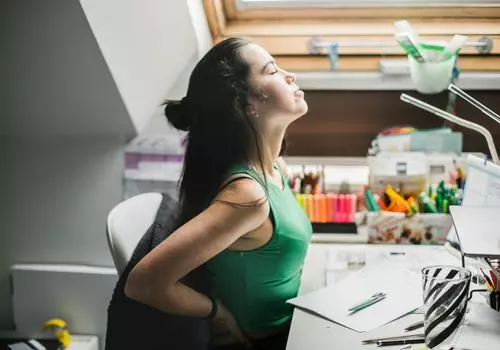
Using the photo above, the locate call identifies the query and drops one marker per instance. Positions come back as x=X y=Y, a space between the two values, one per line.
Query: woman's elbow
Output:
x=138 y=286
x=145 y=288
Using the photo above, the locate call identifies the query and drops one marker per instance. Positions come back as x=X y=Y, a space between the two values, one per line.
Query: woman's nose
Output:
x=290 y=77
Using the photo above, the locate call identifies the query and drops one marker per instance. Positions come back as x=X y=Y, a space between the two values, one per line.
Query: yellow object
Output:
x=398 y=203
x=60 y=331
x=413 y=205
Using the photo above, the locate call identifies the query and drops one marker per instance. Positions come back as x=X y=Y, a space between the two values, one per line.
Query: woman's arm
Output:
x=155 y=279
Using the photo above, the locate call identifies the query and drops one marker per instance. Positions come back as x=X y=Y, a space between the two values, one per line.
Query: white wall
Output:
x=158 y=123
x=56 y=194
x=146 y=45
x=54 y=79
x=68 y=110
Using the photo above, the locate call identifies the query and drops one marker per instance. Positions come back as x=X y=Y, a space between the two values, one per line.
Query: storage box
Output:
x=397 y=228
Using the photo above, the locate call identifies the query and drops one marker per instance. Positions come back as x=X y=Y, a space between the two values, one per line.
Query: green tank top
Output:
x=255 y=285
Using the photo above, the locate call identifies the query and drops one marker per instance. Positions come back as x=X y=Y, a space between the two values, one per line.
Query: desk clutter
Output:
x=411 y=218
x=38 y=341
x=379 y=293
x=423 y=285
x=29 y=344
x=404 y=199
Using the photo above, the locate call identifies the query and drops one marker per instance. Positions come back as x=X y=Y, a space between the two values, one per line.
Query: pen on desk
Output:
x=375 y=340
x=414 y=326
x=398 y=253
x=401 y=341
x=370 y=299
x=375 y=298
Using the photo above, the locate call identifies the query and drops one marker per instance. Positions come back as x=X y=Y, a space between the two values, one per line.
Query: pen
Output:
x=375 y=340
x=366 y=304
x=374 y=296
x=401 y=341
x=414 y=326
x=374 y=299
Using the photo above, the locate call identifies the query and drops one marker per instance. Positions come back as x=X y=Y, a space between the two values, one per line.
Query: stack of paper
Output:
x=403 y=289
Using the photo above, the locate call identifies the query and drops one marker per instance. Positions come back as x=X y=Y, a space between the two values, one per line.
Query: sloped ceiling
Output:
x=89 y=67
x=146 y=45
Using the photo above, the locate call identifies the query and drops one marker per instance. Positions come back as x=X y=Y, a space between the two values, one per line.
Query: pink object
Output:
x=351 y=207
x=340 y=212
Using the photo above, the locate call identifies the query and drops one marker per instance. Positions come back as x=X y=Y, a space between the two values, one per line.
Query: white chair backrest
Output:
x=127 y=223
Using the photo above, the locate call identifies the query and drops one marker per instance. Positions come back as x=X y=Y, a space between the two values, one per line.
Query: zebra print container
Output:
x=445 y=292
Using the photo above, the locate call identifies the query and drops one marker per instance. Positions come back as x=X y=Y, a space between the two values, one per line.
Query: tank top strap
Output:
x=248 y=171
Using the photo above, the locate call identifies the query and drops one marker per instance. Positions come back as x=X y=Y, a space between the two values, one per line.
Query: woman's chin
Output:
x=303 y=107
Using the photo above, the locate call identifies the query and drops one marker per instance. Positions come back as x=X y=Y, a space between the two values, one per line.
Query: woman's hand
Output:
x=225 y=329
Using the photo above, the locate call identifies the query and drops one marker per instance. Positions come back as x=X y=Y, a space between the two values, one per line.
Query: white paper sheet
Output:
x=342 y=262
x=403 y=289
x=482 y=330
x=415 y=260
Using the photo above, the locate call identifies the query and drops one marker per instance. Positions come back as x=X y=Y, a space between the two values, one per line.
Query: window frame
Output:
x=412 y=9
x=287 y=32
x=279 y=4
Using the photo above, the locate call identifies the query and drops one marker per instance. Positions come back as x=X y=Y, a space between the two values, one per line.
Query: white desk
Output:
x=314 y=333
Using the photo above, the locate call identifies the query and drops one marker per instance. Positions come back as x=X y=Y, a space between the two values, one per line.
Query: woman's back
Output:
x=133 y=325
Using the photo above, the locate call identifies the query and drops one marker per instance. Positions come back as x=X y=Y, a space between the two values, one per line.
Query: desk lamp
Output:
x=489 y=139
x=462 y=122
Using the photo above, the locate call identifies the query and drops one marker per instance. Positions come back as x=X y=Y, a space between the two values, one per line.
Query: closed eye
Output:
x=271 y=64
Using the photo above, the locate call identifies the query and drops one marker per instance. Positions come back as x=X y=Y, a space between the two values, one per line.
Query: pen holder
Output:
x=493 y=300
x=431 y=77
x=445 y=294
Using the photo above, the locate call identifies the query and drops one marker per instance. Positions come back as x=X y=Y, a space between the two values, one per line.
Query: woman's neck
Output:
x=271 y=147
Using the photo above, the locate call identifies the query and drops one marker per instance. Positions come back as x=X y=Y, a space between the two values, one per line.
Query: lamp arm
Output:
x=456 y=90
x=454 y=119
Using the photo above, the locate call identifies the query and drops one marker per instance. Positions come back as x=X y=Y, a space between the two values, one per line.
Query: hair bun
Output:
x=175 y=111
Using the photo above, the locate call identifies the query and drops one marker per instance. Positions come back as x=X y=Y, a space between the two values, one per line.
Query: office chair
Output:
x=127 y=222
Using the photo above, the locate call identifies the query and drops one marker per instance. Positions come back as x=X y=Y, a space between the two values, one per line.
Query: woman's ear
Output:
x=251 y=107
x=260 y=94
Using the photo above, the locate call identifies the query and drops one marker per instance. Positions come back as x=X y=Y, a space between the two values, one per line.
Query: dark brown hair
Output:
x=222 y=133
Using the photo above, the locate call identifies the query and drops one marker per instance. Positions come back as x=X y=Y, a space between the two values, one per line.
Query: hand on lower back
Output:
x=225 y=329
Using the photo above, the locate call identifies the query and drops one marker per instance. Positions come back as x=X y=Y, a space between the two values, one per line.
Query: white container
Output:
x=431 y=77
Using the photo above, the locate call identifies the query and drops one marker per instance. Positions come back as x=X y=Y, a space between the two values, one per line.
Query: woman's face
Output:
x=277 y=99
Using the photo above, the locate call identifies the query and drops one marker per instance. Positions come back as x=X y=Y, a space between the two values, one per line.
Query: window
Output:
x=289 y=29
x=245 y=4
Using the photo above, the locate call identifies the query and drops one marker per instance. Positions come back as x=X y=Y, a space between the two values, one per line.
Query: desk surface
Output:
x=315 y=333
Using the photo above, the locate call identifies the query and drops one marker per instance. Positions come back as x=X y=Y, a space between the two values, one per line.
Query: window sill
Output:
x=376 y=81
